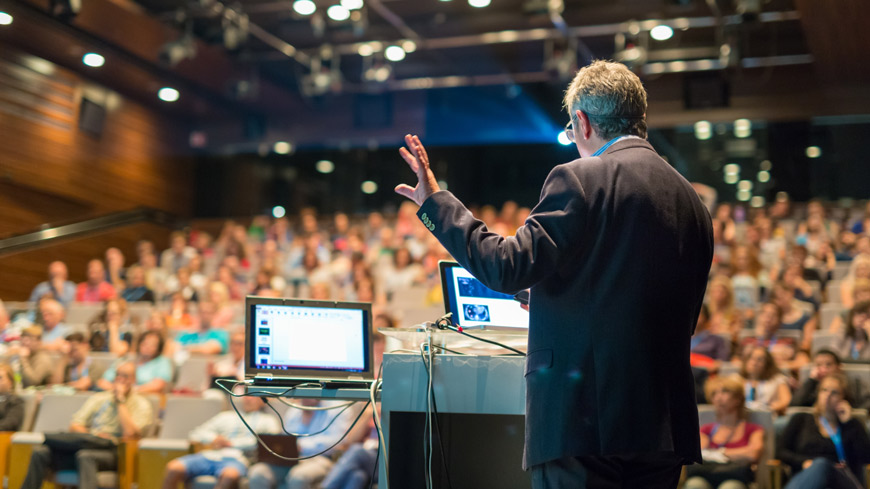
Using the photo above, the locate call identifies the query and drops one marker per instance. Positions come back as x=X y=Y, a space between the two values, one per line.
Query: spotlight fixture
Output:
x=813 y=151
x=338 y=13
x=661 y=32
x=93 y=60
x=352 y=4
x=278 y=212
x=394 y=53
x=365 y=50
x=369 y=187
x=703 y=130
x=325 y=166
x=304 y=7
x=5 y=19
x=176 y=51
x=479 y=3
x=282 y=147
x=168 y=94
x=742 y=128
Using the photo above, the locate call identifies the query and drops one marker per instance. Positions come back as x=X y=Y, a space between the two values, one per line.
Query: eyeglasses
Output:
x=569 y=131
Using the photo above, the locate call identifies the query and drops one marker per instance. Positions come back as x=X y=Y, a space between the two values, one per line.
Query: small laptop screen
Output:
x=297 y=337
x=475 y=305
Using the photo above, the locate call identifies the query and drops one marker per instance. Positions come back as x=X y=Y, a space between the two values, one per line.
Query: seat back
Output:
x=183 y=414
x=193 y=373
x=833 y=291
x=82 y=313
x=829 y=311
x=763 y=418
x=825 y=340
x=56 y=411
x=30 y=404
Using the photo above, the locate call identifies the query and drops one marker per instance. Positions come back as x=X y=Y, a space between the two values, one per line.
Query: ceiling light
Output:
x=814 y=151
x=479 y=3
x=93 y=60
x=369 y=187
x=757 y=201
x=325 y=166
x=744 y=185
x=563 y=139
x=168 y=94
x=394 y=53
x=742 y=128
x=731 y=178
x=338 y=13
x=703 y=130
x=766 y=165
x=764 y=176
x=278 y=212
x=352 y=4
x=5 y=19
x=365 y=50
x=304 y=7
x=661 y=32
x=409 y=46
x=743 y=195
x=732 y=169
x=282 y=147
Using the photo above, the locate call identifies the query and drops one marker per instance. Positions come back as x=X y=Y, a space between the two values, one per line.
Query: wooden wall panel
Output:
x=51 y=171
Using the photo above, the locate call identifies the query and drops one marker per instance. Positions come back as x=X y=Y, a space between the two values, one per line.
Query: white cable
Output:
x=429 y=408
x=377 y=417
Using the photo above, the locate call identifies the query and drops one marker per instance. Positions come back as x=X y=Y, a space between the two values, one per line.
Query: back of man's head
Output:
x=611 y=96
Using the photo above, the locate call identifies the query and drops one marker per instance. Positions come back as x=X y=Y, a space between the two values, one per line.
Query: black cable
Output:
x=478 y=338
x=303 y=435
x=263 y=444
x=437 y=428
x=375 y=469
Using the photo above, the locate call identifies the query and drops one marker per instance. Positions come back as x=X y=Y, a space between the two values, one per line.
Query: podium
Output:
x=480 y=402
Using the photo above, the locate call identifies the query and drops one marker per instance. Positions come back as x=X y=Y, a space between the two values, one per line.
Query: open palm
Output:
x=418 y=160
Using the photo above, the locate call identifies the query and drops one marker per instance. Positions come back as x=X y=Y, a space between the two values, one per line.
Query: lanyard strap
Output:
x=609 y=143
x=837 y=438
x=716 y=428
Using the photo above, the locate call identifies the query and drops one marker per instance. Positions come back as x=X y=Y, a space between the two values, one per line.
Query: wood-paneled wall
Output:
x=51 y=171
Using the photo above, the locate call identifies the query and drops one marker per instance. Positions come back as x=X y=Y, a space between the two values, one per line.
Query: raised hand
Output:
x=416 y=157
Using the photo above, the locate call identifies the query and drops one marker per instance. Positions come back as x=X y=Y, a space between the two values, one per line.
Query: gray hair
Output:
x=611 y=96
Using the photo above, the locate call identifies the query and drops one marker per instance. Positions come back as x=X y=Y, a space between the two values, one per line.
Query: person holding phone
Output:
x=616 y=255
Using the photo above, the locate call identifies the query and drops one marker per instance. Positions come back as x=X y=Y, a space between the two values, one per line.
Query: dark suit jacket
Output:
x=617 y=254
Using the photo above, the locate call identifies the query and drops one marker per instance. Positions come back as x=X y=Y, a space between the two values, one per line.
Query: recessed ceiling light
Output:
x=304 y=7
x=282 y=147
x=93 y=60
x=661 y=32
x=338 y=13
x=352 y=4
x=479 y=3
x=394 y=53
x=168 y=94
x=5 y=19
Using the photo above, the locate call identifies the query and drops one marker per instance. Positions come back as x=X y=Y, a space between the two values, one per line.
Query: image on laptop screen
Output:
x=294 y=338
x=474 y=305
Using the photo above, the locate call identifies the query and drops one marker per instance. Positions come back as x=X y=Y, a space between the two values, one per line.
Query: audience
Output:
x=137 y=290
x=153 y=370
x=105 y=419
x=765 y=386
x=731 y=445
x=54 y=330
x=229 y=446
x=206 y=339
x=79 y=371
x=708 y=350
x=11 y=406
x=96 y=289
x=57 y=286
x=110 y=332
x=35 y=364
x=808 y=445
x=826 y=362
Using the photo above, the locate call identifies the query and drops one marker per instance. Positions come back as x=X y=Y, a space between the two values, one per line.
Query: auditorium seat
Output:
x=192 y=375
x=833 y=291
x=763 y=418
x=828 y=311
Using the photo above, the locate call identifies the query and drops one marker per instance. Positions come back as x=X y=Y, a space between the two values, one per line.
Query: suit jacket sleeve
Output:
x=512 y=263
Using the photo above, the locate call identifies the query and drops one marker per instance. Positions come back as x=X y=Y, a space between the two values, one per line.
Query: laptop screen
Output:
x=297 y=338
x=474 y=305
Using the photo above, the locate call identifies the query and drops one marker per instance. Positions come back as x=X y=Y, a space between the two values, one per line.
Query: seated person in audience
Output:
x=137 y=290
x=731 y=439
x=708 y=350
x=178 y=254
x=5 y=324
x=36 y=365
x=153 y=370
x=11 y=406
x=119 y=413
x=860 y=269
x=747 y=277
x=765 y=386
x=229 y=445
x=826 y=362
x=111 y=330
x=115 y=272
x=307 y=473
x=180 y=283
x=793 y=277
x=783 y=348
x=78 y=371
x=58 y=287
x=861 y=294
x=826 y=448
x=232 y=365
x=855 y=343
x=95 y=289
x=207 y=339
x=179 y=316
x=156 y=322
x=724 y=316
x=794 y=316
x=224 y=313
x=54 y=330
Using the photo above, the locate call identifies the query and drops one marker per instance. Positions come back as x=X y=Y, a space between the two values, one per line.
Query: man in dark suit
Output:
x=616 y=254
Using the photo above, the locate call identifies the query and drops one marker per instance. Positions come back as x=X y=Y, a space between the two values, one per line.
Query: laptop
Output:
x=474 y=305
x=296 y=341
x=284 y=445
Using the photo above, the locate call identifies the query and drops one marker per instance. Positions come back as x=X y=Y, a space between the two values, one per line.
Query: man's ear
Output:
x=585 y=127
